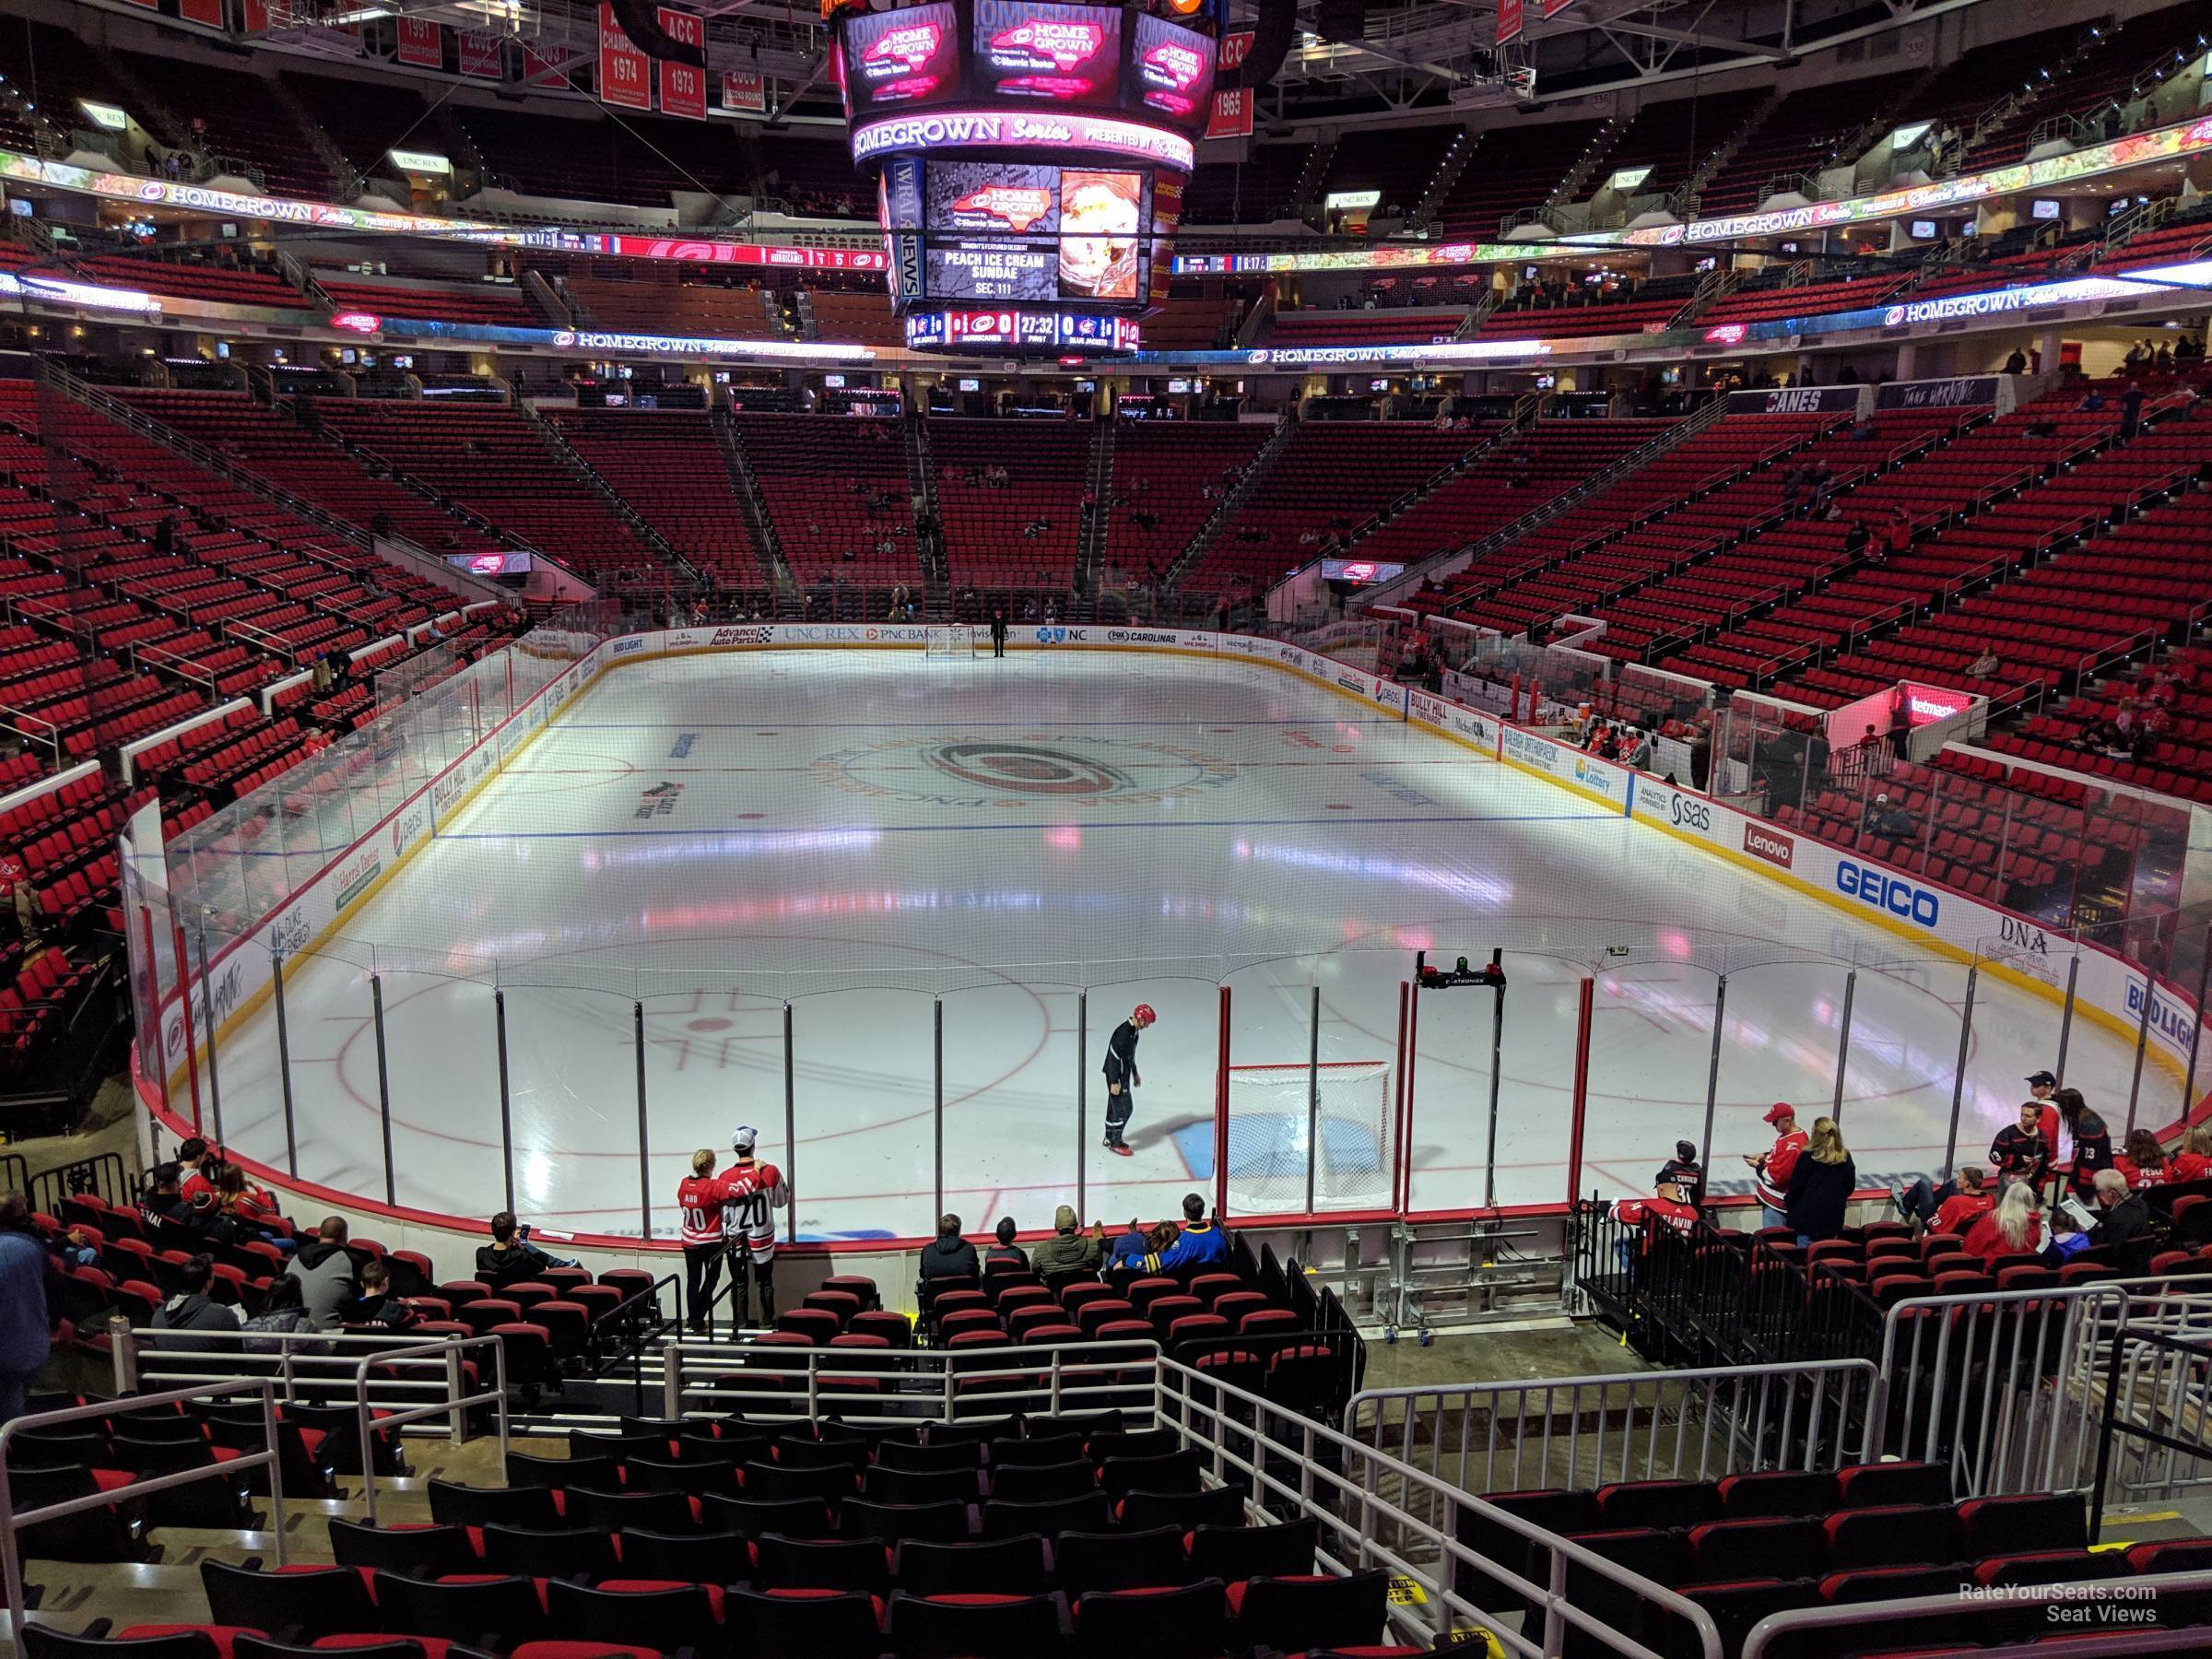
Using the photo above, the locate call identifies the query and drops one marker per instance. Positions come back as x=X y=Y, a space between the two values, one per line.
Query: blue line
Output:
x=1533 y=818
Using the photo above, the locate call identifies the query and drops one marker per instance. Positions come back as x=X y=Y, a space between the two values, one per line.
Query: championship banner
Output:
x=745 y=90
x=1236 y=46
x=683 y=85
x=622 y=67
x=1231 y=114
x=1509 y=21
x=478 y=54
x=421 y=43
x=1552 y=8
x=206 y=12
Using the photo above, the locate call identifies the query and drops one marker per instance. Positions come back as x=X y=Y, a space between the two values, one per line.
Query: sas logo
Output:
x=1051 y=636
x=1685 y=812
x=1769 y=845
x=1893 y=894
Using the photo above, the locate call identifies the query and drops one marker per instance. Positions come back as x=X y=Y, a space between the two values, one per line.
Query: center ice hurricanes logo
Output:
x=990 y=772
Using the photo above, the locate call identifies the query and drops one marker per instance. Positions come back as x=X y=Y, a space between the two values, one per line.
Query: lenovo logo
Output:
x=1769 y=845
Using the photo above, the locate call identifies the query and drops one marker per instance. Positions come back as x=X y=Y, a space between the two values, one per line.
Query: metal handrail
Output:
x=1781 y=1634
x=11 y=1524
x=451 y=1349
x=1234 y=1412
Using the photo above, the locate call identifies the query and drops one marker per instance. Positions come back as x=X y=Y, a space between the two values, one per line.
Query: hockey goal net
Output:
x=1336 y=1117
x=957 y=640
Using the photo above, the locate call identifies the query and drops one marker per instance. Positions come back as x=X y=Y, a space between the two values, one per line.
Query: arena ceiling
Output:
x=1351 y=62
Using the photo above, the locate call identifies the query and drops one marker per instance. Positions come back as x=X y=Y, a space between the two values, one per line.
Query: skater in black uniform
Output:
x=1121 y=1077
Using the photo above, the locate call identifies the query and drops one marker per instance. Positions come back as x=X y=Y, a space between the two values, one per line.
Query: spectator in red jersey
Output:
x=2014 y=1228
x=2143 y=1161
x=1668 y=1207
x=698 y=1203
x=1950 y=1207
x=2019 y=1152
x=1770 y=1169
x=198 y=1164
x=2193 y=1162
x=253 y=1209
x=14 y=881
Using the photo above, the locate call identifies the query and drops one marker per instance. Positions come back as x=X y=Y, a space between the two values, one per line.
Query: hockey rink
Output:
x=993 y=862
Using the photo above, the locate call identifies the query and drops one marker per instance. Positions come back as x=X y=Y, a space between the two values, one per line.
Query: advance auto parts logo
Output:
x=1048 y=769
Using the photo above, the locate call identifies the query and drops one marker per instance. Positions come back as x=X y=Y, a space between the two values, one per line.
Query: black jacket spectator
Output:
x=2126 y=1223
x=2018 y=1154
x=1818 y=1197
x=949 y=1255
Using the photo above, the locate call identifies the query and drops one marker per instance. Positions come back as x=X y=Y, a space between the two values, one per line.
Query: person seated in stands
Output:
x=1201 y=1243
x=1890 y=823
x=2123 y=1217
x=949 y=1255
x=1068 y=1251
x=1636 y=750
x=191 y=1308
x=1669 y=1207
x=162 y=1202
x=376 y=1305
x=510 y=1258
x=1985 y=666
x=2019 y=1152
x=2193 y=1162
x=1005 y=1254
x=283 y=1314
x=251 y=1209
x=2143 y=1160
x=1684 y=1170
x=198 y=1164
x=2093 y=404
x=1949 y=1209
x=325 y=1269
x=1129 y=1247
x=2017 y=363
x=2014 y=1228
x=1857 y=539
x=1820 y=1185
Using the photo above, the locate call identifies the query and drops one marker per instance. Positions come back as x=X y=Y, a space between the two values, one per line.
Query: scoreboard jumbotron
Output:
x=1030 y=158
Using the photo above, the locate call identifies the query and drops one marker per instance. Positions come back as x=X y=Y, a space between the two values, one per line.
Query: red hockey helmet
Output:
x=1144 y=1012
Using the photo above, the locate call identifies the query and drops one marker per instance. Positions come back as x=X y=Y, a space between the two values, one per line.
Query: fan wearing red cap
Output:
x=1771 y=1168
x=1121 y=1078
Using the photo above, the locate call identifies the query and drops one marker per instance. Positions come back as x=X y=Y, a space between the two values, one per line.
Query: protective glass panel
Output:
x=1171 y=1129
x=1010 y=1127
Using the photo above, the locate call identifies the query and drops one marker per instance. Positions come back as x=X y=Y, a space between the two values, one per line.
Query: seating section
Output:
x=1012 y=496
x=2166 y=741
x=502 y=304
x=1167 y=478
x=491 y=460
x=1673 y=138
x=668 y=466
x=1363 y=327
x=640 y=160
x=239 y=115
x=1256 y=190
x=836 y=490
x=1512 y=170
x=276 y=444
x=1800 y=136
x=220 y=279
x=662 y=296
x=1400 y=162
x=1324 y=479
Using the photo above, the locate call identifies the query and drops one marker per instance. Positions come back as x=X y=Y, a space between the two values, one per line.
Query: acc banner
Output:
x=477 y=53
x=745 y=89
x=1231 y=114
x=421 y=43
x=1509 y=21
x=621 y=66
x=683 y=85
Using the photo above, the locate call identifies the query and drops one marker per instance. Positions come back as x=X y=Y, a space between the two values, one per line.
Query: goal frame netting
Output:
x=1343 y=1111
x=951 y=640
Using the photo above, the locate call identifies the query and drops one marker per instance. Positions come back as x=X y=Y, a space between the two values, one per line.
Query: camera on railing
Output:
x=1433 y=978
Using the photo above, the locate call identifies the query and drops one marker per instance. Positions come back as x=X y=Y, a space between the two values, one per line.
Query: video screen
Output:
x=1068 y=54
x=1001 y=231
x=978 y=214
x=1101 y=234
x=902 y=59
x=1173 y=68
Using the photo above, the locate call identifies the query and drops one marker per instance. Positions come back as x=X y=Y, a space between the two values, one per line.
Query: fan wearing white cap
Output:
x=752 y=1192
